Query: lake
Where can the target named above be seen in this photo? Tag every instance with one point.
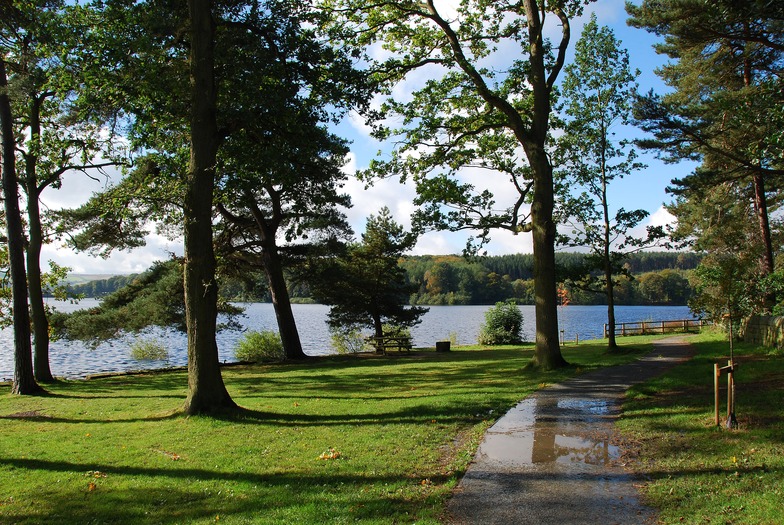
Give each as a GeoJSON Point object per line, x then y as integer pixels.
{"type": "Point", "coordinates": [71, 359]}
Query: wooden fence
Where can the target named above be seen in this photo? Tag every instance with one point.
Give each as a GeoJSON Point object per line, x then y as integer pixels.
{"type": "Point", "coordinates": [656, 327]}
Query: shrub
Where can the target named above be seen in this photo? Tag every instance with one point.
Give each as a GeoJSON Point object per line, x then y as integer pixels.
{"type": "Point", "coordinates": [259, 346]}
{"type": "Point", "coordinates": [503, 325]}
{"type": "Point", "coordinates": [149, 350]}
{"type": "Point", "coordinates": [350, 341]}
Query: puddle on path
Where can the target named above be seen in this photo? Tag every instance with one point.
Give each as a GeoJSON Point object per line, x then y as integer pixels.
{"type": "Point", "coordinates": [564, 432]}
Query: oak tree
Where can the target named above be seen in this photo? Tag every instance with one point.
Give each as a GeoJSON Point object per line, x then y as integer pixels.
{"type": "Point", "coordinates": [491, 73]}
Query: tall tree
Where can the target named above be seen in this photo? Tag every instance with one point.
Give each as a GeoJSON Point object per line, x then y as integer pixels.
{"type": "Point", "coordinates": [726, 107]}
{"type": "Point", "coordinates": [24, 381]}
{"type": "Point", "coordinates": [367, 287]}
{"type": "Point", "coordinates": [597, 93]}
{"type": "Point", "coordinates": [292, 198]}
{"type": "Point", "coordinates": [278, 170]}
{"type": "Point", "coordinates": [51, 141]}
{"type": "Point", "coordinates": [206, 391]}
{"type": "Point", "coordinates": [474, 112]}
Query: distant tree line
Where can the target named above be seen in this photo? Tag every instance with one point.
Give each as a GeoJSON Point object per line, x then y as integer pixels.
{"type": "Point", "coordinates": [659, 278]}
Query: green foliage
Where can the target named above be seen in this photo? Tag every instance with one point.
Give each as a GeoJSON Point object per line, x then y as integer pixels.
{"type": "Point", "coordinates": [597, 94]}
{"type": "Point", "coordinates": [154, 298]}
{"type": "Point", "coordinates": [348, 341]}
{"type": "Point", "coordinates": [257, 347]}
{"type": "Point", "coordinates": [149, 350]}
{"type": "Point", "coordinates": [503, 325]}
{"type": "Point", "coordinates": [723, 110]}
{"type": "Point", "coordinates": [367, 287]}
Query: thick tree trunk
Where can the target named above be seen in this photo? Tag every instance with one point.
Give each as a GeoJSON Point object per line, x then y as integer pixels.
{"type": "Point", "coordinates": [548, 351]}
{"type": "Point", "coordinates": [24, 380]}
{"type": "Point", "coordinates": [207, 393]}
{"type": "Point", "coordinates": [41, 368]}
{"type": "Point", "coordinates": [281, 301]}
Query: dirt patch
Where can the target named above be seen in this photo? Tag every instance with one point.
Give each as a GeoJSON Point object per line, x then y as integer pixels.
{"type": "Point", "coordinates": [30, 414]}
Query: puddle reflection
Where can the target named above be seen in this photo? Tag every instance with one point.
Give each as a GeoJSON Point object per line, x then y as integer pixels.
{"type": "Point", "coordinates": [541, 430]}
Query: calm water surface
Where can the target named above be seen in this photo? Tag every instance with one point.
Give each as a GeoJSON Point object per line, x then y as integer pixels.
{"type": "Point", "coordinates": [74, 359]}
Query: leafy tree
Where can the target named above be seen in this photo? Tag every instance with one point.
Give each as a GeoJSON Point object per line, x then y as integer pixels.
{"type": "Point", "coordinates": [51, 141]}
{"type": "Point", "coordinates": [367, 287]}
{"type": "Point", "coordinates": [725, 109]}
{"type": "Point", "coordinates": [598, 90]}
{"type": "Point", "coordinates": [472, 114]}
{"type": "Point", "coordinates": [24, 381]}
{"type": "Point", "coordinates": [664, 287]}
{"type": "Point", "coordinates": [282, 170]}
{"type": "Point", "coordinates": [278, 169]}
{"type": "Point", "coordinates": [152, 298]}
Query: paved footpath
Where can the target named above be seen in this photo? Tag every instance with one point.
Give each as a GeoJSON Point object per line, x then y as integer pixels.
{"type": "Point", "coordinates": [551, 459]}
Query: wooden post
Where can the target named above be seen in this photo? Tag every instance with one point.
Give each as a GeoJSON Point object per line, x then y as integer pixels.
{"type": "Point", "coordinates": [730, 400]}
{"type": "Point", "coordinates": [716, 376]}
{"type": "Point", "coordinates": [576, 339]}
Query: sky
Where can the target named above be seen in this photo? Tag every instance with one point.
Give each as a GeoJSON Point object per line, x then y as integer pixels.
{"type": "Point", "coordinates": [644, 189]}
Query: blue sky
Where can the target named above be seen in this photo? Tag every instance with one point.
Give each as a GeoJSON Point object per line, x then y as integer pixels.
{"type": "Point", "coordinates": [644, 189]}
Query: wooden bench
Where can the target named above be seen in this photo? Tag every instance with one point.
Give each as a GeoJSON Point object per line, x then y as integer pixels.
{"type": "Point", "coordinates": [390, 342]}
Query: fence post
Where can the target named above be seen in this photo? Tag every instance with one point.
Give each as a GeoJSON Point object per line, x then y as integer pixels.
{"type": "Point", "coordinates": [716, 375]}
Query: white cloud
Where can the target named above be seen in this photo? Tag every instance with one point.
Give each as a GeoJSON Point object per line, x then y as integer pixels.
{"type": "Point", "coordinates": [661, 217]}
{"type": "Point", "coordinates": [122, 262]}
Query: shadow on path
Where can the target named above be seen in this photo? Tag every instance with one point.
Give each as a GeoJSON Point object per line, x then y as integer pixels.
{"type": "Point", "coordinates": [551, 459]}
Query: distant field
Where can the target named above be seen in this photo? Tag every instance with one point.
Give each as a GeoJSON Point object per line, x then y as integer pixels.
{"type": "Point", "coordinates": [81, 278]}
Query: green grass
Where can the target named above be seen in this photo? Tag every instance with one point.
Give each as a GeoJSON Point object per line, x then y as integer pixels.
{"type": "Point", "coordinates": [117, 449]}
{"type": "Point", "coordinates": [699, 473]}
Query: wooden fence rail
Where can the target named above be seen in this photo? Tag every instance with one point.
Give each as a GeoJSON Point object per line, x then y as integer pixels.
{"type": "Point", "coordinates": [657, 327]}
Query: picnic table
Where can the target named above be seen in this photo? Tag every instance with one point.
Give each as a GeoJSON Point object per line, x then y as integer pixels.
{"type": "Point", "coordinates": [390, 342]}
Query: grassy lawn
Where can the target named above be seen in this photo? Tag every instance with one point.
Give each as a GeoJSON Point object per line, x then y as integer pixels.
{"type": "Point", "coordinates": [699, 473]}
{"type": "Point", "coordinates": [330, 440]}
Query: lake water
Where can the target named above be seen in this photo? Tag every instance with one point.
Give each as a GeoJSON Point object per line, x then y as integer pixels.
{"type": "Point", "coordinates": [73, 359]}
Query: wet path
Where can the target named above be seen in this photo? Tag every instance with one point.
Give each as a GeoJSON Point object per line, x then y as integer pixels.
{"type": "Point", "coordinates": [551, 459]}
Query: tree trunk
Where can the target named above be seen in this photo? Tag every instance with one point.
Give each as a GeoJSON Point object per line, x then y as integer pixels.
{"type": "Point", "coordinates": [281, 301]}
{"type": "Point", "coordinates": [41, 368]}
{"type": "Point", "coordinates": [548, 351]}
{"type": "Point", "coordinates": [43, 372]}
{"type": "Point", "coordinates": [24, 380]}
{"type": "Point", "coordinates": [612, 345]}
{"type": "Point", "coordinates": [207, 393]}
{"type": "Point", "coordinates": [761, 209]}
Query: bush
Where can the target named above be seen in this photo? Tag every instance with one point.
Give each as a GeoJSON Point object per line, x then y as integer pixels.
{"type": "Point", "coordinates": [149, 350]}
{"type": "Point", "coordinates": [395, 331]}
{"type": "Point", "coordinates": [350, 341]}
{"type": "Point", "coordinates": [503, 325]}
{"type": "Point", "coordinates": [259, 346]}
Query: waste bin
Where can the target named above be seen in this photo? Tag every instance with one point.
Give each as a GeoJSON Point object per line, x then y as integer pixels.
{"type": "Point", "coordinates": [443, 346]}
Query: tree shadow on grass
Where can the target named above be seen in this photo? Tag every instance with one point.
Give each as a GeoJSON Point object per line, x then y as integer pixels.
{"type": "Point", "coordinates": [183, 495]}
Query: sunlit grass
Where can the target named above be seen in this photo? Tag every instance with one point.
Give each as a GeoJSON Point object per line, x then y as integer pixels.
{"type": "Point", "coordinates": [700, 473]}
{"type": "Point", "coordinates": [400, 429]}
